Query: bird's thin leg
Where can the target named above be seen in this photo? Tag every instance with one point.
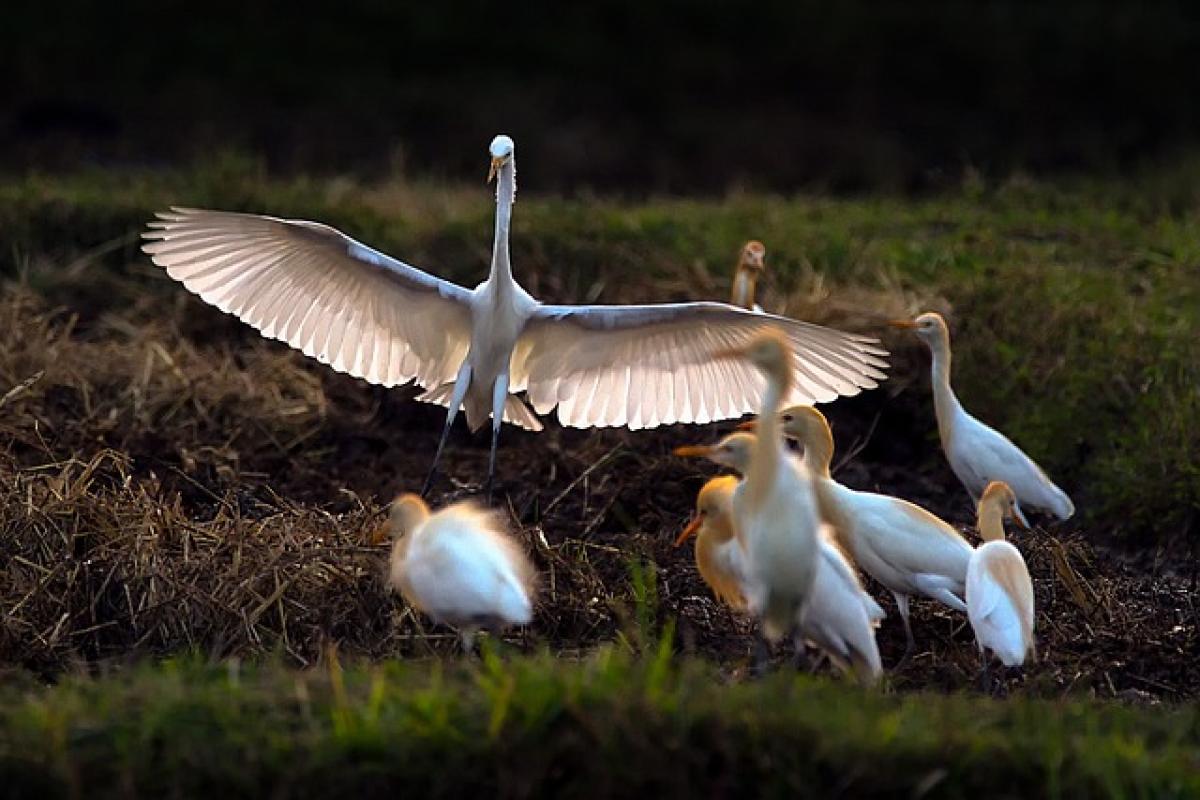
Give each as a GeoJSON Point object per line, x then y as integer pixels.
{"type": "Point", "coordinates": [499, 397]}
{"type": "Point", "coordinates": [467, 637]}
{"type": "Point", "coordinates": [911, 644]}
{"type": "Point", "coordinates": [985, 679]}
{"type": "Point", "coordinates": [461, 383]}
{"type": "Point", "coordinates": [800, 659]}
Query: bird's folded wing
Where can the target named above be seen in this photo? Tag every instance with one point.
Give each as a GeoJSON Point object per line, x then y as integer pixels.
{"type": "Point", "coordinates": [307, 284]}
{"type": "Point", "coordinates": [642, 366]}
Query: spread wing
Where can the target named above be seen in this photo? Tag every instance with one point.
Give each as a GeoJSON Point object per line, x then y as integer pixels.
{"type": "Point", "coordinates": [311, 286]}
{"type": "Point", "coordinates": [642, 366]}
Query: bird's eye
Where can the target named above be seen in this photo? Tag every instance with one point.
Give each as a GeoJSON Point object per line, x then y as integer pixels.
{"type": "Point", "coordinates": [787, 417]}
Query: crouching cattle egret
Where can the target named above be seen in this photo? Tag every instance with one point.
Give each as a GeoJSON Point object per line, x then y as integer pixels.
{"type": "Point", "coordinates": [840, 618]}
{"type": "Point", "coordinates": [379, 319]}
{"type": "Point", "coordinates": [901, 545]}
{"type": "Point", "coordinates": [459, 566]}
{"type": "Point", "coordinates": [999, 590]}
{"type": "Point", "coordinates": [979, 454]}
{"type": "Point", "coordinates": [773, 506]}
{"type": "Point", "coordinates": [750, 266]}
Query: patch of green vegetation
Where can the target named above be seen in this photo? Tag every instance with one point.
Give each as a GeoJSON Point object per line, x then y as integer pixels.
{"type": "Point", "coordinates": [1075, 307]}
{"type": "Point", "coordinates": [608, 726]}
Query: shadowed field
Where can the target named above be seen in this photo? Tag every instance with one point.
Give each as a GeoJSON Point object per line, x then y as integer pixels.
{"type": "Point", "coordinates": [171, 483]}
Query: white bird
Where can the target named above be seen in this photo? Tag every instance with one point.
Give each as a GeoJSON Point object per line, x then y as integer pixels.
{"type": "Point", "coordinates": [840, 618]}
{"type": "Point", "coordinates": [977, 453]}
{"type": "Point", "coordinates": [999, 589]}
{"type": "Point", "coordinates": [773, 506]}
{"type": "Point", "coordinates": [459, 566]}
{"type": "Point", "coordinates": [904, 547]}
{"type": "Point", "coordinates": [750, 266]}
{"type": "Point", "coordinates": [379, 319]}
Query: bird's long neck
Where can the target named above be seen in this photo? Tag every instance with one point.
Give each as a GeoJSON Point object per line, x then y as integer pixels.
{"type": "Point", "coordinates": [945, 403]}
{"type": "Point", "coordinates": [745, 283]}
{"type": "Point", "coordinates": [990, 520]}
{"type": "Point", "coordinates": [818, 450]}
{"type": "Point", "coordinates": [501, 278]}
{"type": "Point", "coordinates": [768, 446]}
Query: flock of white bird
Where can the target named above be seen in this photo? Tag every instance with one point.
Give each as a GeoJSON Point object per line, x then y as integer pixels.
{"type": "Point", "coordinates": [780, 540]}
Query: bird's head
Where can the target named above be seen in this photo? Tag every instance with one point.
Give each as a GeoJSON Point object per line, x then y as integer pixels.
{"type": "Point", "coordinates": [501, 150]}
{"type": "Point", "coordinates": [733, 451]}
{"type": "Point", "coordinates": [999, 497]}
{"type": "Point", "coordinates": [930, 327]}
{"type": "Point", "coordinates": [803, 424]}
{"type": "Point", "coordinates": [407, 513]}
{"type": "Point", "coordinates": [713, 504]}
{"type": "Point", "coordinates": [754, 256]}
{"type": "Point", "coordinates": [770, 351]}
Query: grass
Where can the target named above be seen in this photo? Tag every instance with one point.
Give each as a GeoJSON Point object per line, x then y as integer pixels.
{"type": "Point", "coordinates": [1074, 307]}
{"type": "Point", "coordinates": [606, 726]}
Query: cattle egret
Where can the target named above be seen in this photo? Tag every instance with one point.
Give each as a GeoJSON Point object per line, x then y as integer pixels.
{"type": "Point", "coordinates": [733, 451]}
{"type": "Point", "coordinates": [904, 547]}
{"type": "Point", "coordinates": [459, 566]}
{"type": "Point", "coordinates": [750, 266]}
{"type": "Point", "coordinates": [379, 319]}
{"type": "Point", "coordinates": [977, 453]}
{"type": "Point", "coordinates": [774, 508]}
{"type": "Point", "coordinates": [999, 590]}
{"type": "Point", "coordinates": [840, 618]}
{"type": "Point", "coordinates": [720, 557]}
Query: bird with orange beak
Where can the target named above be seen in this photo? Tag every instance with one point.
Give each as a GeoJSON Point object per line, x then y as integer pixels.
{"type": "Point", "coordinates": [750, 266]}
{"type": "Point", "coordinates": [773, 506]}
{"type": "Point", "coordinates": [977, 453]}
{"type": "Point", "coordinates": [999, 589]}
{"type": "Point", "coordinates": [906, 548]}
{"type": "Point", "coordinates": [840, 618]}
{"type": "Point", "coordinates": [720, 556]}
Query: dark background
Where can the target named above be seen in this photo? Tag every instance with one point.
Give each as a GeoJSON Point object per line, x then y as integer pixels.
{"type": "Point", "coordinates": [626, 96]}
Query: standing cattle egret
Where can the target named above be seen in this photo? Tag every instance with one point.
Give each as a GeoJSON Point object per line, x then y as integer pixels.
{"type": "Point", "coordinates": [774, 508]}
{"type": "Point", "coordinates": [459, 566]}
{"type": "Point", "coordinates": [840, 617]}
{"type": "Point", "coordinates": [379, 319]}
{"type": "Point", "coordinates": [999, 590]}
{"type": "Point", "coordinates": [720, 556]}
{"type": "Point", "coordinates": [979, 454]}
{"type": "Point", "coordinates": [901, 545]}
{"type": "Point", "coordinates": [750, 266]}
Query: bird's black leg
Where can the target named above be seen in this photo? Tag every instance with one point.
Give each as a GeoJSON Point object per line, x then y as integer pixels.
{"type": "Point", "coordinates": [460, 391]}
{"type": "Point", "coordinates": [499, 397]}
{"type": "Point", "coordinates": [910, 645]}
{"type": "Point", "coordinates": [762, 657]}
{"type": "Point", "coordinates": [985, 678]}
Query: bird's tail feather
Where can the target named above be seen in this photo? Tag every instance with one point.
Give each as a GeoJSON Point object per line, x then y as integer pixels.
{"type": "Point", "coordinates": [515, 411]}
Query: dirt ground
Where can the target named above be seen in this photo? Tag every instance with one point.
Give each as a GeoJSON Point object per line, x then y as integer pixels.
{"type": "Point", "coordinates": [191, 488]}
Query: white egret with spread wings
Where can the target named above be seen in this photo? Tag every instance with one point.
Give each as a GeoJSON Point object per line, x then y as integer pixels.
{"type": "Point", "coordinates": [377, 318]}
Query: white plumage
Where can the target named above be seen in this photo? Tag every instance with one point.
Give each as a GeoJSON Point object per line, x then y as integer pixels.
{"type": "Point", "coordinates": [977, 453]}
{"type": "Point", "coordinates": [840, 618]}
{"type": "Point", "coordinates": [999, 589]}
{"type": "Point", "coordinates": [901, 545]}
{"type": "Point", "coordinates": [459, 566]}
{"type": "Point", "coordinates": [773, 507]}
{"type": "Point", "coordinates": [379, 319]}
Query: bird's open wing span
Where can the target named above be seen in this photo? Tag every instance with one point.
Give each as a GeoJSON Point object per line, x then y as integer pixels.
{"type": "Point", "coordinates": [337, 300]}
{"type": "Point", "coordinates": [642, 366]}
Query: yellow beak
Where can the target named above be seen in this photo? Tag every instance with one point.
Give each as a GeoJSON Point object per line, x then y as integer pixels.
{"type": "Point", "coordinates": [749, 425]}
{"type": "Point", "coordinates": [690, 530]}
{"type": "Point", "coordinates": [906, 324]}
{"type": "Point", "coordinates": [492, 170]}
{"type": "Point", "coordinates": [694, 450]}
